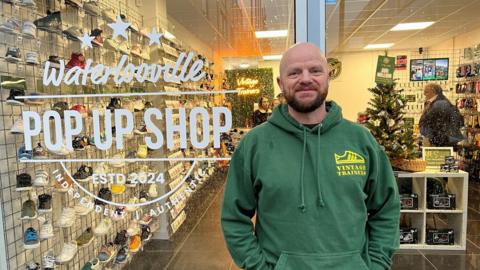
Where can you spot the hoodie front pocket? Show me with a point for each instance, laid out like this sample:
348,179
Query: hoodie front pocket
316,261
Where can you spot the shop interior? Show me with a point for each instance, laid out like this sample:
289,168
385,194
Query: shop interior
46,224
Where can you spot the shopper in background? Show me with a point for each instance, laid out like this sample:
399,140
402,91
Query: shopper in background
281,98
441,121
275,103
261,114
321,187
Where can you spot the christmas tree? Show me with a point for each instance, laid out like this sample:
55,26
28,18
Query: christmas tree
386,123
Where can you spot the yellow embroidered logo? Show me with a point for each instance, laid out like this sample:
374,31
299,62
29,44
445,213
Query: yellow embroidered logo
350,163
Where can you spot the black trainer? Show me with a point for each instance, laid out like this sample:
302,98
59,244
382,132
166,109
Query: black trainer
84,173
148,104
13,99
143,195
60,107
50,23
105,194
13,54
115,103
146,233
24,182
121,238
80,143
45,203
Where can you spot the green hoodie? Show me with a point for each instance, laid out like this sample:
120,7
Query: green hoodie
324,198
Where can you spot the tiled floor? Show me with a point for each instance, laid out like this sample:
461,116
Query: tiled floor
203,248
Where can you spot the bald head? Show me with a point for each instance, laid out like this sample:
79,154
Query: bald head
305,50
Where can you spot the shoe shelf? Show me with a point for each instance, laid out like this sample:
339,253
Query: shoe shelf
424,218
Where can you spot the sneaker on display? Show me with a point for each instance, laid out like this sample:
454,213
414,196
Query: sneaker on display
115,103
49,260
152,191
13,82
32,266
27,3
83,174
54,62
105,194
118,189
28,210
73,33
92,8
31,58
76,60
118,160
11,25
98,40
29,30
39,152
135,243
24,154
82,210
13,55
148,105
67,218
103,227
33,101
99,107
13,99
46,230
142,151
50,23
119,213
122,256
146,233
41,178
92,264
130,181
143,196
142,129
85,238
131,201
68,252
45,203
80,143
30,239
133,228
106,253
138,105
81,109
24,182
146,219
17,127
74,3
60,107
121,238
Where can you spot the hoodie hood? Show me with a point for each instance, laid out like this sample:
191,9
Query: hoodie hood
282,119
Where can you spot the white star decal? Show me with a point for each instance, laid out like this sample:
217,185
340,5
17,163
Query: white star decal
86,40
119,28
154,37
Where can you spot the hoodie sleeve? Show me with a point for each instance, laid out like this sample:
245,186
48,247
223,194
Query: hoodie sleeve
383,206
239,205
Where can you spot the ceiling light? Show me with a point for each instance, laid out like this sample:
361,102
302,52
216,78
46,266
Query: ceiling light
244,65
411,26
272,57
168,35
379,46
271,34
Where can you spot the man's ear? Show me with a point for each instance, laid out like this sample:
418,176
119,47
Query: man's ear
279,83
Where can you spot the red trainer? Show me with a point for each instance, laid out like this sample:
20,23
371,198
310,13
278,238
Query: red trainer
76,60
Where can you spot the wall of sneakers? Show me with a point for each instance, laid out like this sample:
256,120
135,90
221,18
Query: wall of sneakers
463,89
45,222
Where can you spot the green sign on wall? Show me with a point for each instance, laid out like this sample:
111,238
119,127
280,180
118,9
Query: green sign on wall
385,68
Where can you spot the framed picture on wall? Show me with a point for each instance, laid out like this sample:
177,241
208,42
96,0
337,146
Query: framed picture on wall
435,156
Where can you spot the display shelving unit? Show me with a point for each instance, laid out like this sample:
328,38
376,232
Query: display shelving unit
421,219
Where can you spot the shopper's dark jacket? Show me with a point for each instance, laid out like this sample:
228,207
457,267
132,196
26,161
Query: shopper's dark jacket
441,123
259,117
324,198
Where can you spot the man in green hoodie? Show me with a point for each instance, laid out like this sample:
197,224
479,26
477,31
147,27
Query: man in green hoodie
321,187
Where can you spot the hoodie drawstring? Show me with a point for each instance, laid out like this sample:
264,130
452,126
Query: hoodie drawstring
302,172
319,187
